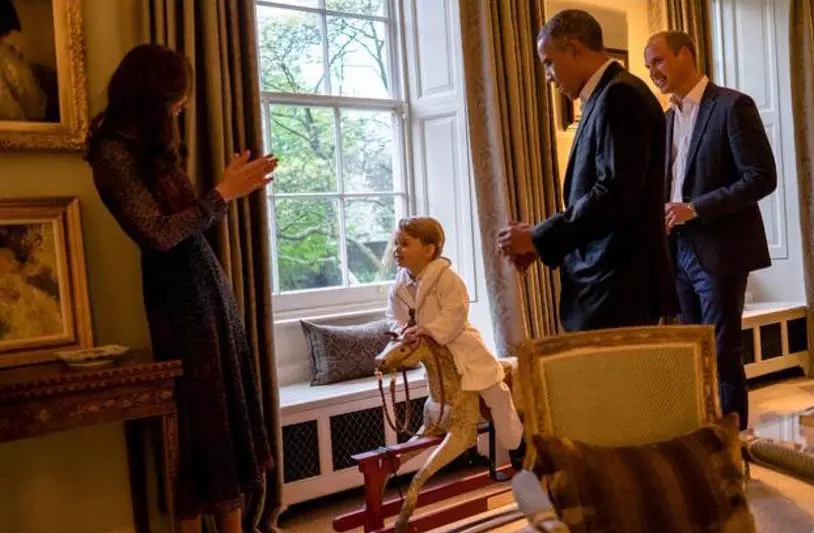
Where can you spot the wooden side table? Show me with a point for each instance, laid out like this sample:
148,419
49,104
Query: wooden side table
41,399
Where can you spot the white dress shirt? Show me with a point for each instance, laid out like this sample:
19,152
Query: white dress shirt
685,113
590,85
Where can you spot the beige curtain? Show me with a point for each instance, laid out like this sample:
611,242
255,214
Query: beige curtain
691,16
802,100
513,156
224,118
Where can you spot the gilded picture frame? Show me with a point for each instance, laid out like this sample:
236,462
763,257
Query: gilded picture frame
571,110
42,45
44,305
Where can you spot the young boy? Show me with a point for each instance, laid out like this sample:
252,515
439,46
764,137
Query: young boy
430,299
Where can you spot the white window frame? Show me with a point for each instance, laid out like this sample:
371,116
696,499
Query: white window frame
344,299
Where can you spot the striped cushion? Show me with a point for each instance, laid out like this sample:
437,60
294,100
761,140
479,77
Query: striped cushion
692,483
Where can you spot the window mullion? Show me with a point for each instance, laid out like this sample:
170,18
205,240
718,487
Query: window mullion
340,184
275,255
272,208
326,68
394,75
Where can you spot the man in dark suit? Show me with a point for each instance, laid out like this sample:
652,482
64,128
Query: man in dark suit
719,164
609,242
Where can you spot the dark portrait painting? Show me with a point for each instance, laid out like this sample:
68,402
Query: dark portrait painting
29,87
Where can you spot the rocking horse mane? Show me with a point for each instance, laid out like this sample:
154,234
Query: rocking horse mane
437,361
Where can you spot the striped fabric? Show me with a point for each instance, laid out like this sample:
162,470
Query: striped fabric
688,484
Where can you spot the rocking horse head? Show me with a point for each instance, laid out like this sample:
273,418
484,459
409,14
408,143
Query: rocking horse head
400,354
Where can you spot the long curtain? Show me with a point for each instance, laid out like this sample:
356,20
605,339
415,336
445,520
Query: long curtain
691,16
802,100
223,118
511,137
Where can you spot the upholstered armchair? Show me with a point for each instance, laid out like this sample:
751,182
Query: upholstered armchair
605,397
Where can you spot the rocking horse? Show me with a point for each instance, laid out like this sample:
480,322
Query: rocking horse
448,411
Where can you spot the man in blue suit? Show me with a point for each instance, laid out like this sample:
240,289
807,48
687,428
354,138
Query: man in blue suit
719,164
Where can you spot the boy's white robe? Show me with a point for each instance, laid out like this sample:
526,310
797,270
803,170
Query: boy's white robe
442,304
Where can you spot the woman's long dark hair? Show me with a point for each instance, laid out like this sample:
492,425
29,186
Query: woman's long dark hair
147,82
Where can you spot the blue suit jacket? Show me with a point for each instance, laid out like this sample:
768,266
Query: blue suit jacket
730,166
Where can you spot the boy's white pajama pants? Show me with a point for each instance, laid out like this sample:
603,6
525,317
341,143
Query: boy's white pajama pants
508,428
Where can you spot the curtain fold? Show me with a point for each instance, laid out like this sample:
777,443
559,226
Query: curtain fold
513,155
801,37
219,38
690,16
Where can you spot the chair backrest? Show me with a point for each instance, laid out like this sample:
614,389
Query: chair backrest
620,386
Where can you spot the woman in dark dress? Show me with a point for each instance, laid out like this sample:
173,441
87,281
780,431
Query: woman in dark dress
138,170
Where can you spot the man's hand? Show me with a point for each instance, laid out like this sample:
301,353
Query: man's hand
412,335
676,214
521,263
516,240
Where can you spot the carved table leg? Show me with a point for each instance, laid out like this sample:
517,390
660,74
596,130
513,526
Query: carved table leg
170,433
137,472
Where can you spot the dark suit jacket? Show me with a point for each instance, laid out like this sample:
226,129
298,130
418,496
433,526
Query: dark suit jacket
609,242
730,166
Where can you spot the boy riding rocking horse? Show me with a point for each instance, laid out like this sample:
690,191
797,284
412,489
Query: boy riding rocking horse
428,299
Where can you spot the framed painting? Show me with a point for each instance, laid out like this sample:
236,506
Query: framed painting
43,89
44,303
571,110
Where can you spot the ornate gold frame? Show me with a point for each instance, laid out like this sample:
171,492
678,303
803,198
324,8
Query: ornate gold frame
70,132
63,212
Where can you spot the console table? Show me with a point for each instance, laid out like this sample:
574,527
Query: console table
51,397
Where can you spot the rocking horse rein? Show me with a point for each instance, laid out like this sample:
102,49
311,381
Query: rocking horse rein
403,426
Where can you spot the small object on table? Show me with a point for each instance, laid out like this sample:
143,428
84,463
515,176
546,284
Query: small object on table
100,356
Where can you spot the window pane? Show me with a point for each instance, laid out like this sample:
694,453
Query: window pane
308,244
367,150
361,7
358,55
290,46
303,139
370,223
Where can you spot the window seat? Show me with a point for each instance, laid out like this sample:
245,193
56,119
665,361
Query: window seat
299,397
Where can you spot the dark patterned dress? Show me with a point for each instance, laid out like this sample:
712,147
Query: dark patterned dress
192,314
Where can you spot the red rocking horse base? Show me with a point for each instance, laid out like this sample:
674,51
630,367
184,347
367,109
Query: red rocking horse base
379,465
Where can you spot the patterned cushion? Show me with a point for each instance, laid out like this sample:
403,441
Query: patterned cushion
692,483
340,353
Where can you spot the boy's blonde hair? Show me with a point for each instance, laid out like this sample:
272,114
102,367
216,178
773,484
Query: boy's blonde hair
425,229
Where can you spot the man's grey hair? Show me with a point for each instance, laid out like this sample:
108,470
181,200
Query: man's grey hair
676,40
574,24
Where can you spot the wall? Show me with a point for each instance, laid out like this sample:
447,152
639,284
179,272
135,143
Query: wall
624,26
76,482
